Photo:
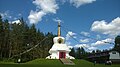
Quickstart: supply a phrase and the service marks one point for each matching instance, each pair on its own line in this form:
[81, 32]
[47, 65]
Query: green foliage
[72, 53]
[117, 44]
[81, 53]
[19, 37]
[1, 37]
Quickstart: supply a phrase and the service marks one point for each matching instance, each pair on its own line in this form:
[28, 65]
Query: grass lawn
[54, 63]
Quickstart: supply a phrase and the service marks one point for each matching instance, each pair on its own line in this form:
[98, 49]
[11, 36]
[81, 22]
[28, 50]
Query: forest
[19, 37]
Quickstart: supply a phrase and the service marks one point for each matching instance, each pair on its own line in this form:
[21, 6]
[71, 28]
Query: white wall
[114, 56]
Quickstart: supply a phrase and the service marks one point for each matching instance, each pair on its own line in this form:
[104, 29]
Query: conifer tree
[72, 53]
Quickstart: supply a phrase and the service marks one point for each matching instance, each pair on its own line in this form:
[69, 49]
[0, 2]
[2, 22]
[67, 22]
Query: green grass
[54, 63]
[45, 62]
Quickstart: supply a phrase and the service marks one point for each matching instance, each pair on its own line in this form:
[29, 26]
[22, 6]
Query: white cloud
[88, 47]
[70, 47]
[82, 45]
[92, 48]
[19, 14]
[8, 15]
[112, 28]
[111, 47]
[70, 34]
[14, 18]
[63, 1]
[43, 7]
[103, 42]
[16, 21]
[34, 16]
[84, 40]
[68, 42]
[57, 20]
[78, 3]
[98, 36]
[85, 33]
[5, 15]
[47, 6]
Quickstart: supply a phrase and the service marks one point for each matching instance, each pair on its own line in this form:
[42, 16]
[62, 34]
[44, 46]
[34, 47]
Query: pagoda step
[67, 61]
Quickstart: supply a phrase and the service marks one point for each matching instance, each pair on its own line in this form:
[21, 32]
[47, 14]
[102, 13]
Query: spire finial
[59, 31]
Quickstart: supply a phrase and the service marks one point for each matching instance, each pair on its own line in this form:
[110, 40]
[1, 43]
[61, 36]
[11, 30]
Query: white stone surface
[59, 47]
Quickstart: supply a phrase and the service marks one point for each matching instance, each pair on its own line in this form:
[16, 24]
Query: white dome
[55, 39]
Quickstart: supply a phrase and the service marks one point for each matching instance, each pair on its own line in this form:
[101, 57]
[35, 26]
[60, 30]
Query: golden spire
[59, 31]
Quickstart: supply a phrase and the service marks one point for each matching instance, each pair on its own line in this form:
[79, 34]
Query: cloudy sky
[92, 24]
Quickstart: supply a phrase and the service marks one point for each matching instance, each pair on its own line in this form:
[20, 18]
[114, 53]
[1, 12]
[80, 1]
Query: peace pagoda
[59, 49]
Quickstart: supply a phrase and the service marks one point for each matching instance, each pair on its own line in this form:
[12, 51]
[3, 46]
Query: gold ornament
[60, 40]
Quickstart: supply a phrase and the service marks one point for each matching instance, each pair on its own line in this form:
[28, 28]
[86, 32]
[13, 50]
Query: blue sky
[97, 19]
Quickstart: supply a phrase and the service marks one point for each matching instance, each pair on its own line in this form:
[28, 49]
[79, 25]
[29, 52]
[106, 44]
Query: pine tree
[117, 44]
[1, 37]
[72, 53]
[78, 53]
[6, 39]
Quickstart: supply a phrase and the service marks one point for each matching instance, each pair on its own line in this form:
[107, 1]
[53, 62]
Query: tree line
[16, 38]
[80, 53]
